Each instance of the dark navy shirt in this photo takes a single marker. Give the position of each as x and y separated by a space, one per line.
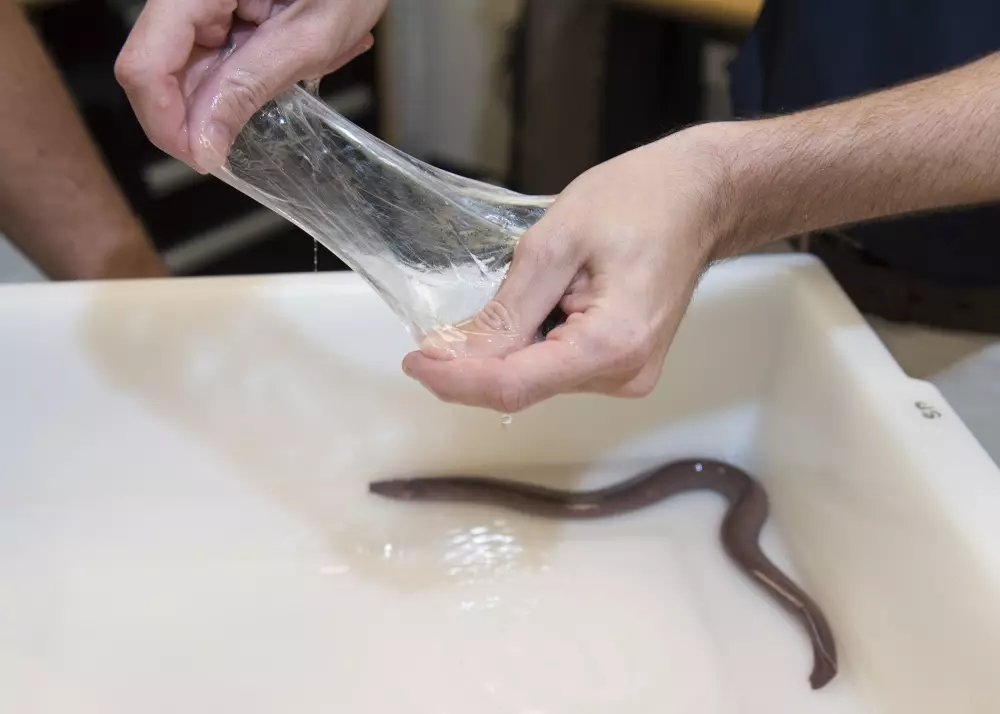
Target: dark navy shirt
807 52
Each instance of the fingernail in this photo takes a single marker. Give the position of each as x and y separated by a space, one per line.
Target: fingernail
215 139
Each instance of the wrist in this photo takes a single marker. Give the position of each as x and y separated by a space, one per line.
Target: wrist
130 257
701 159
762 168
124 254
137 260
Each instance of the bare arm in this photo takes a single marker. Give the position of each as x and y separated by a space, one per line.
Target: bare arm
929 144
622 248
58 203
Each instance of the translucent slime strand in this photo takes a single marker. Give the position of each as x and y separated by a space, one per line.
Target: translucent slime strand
435 246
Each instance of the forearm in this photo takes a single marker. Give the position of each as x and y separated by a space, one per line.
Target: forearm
931 144
58 203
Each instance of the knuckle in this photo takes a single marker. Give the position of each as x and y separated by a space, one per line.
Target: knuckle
252 11
638 341
316 53
245 93
495 317
319 38
507 395
540 249
128 69
640 387
445 396
629 347
438 391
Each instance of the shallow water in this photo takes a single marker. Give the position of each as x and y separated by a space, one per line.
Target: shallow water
432 608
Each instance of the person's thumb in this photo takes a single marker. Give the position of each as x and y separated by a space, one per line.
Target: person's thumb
543 266
267 63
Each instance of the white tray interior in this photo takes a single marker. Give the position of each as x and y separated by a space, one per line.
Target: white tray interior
185 525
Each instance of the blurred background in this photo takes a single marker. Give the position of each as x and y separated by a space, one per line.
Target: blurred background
522 93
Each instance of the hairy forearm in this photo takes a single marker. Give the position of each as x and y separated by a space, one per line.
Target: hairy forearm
58 203
930 144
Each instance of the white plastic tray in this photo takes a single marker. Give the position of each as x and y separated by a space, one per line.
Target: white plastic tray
185 526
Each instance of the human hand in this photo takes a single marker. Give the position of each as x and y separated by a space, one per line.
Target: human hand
192 98
620 252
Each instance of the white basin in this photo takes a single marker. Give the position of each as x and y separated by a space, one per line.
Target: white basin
185 525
